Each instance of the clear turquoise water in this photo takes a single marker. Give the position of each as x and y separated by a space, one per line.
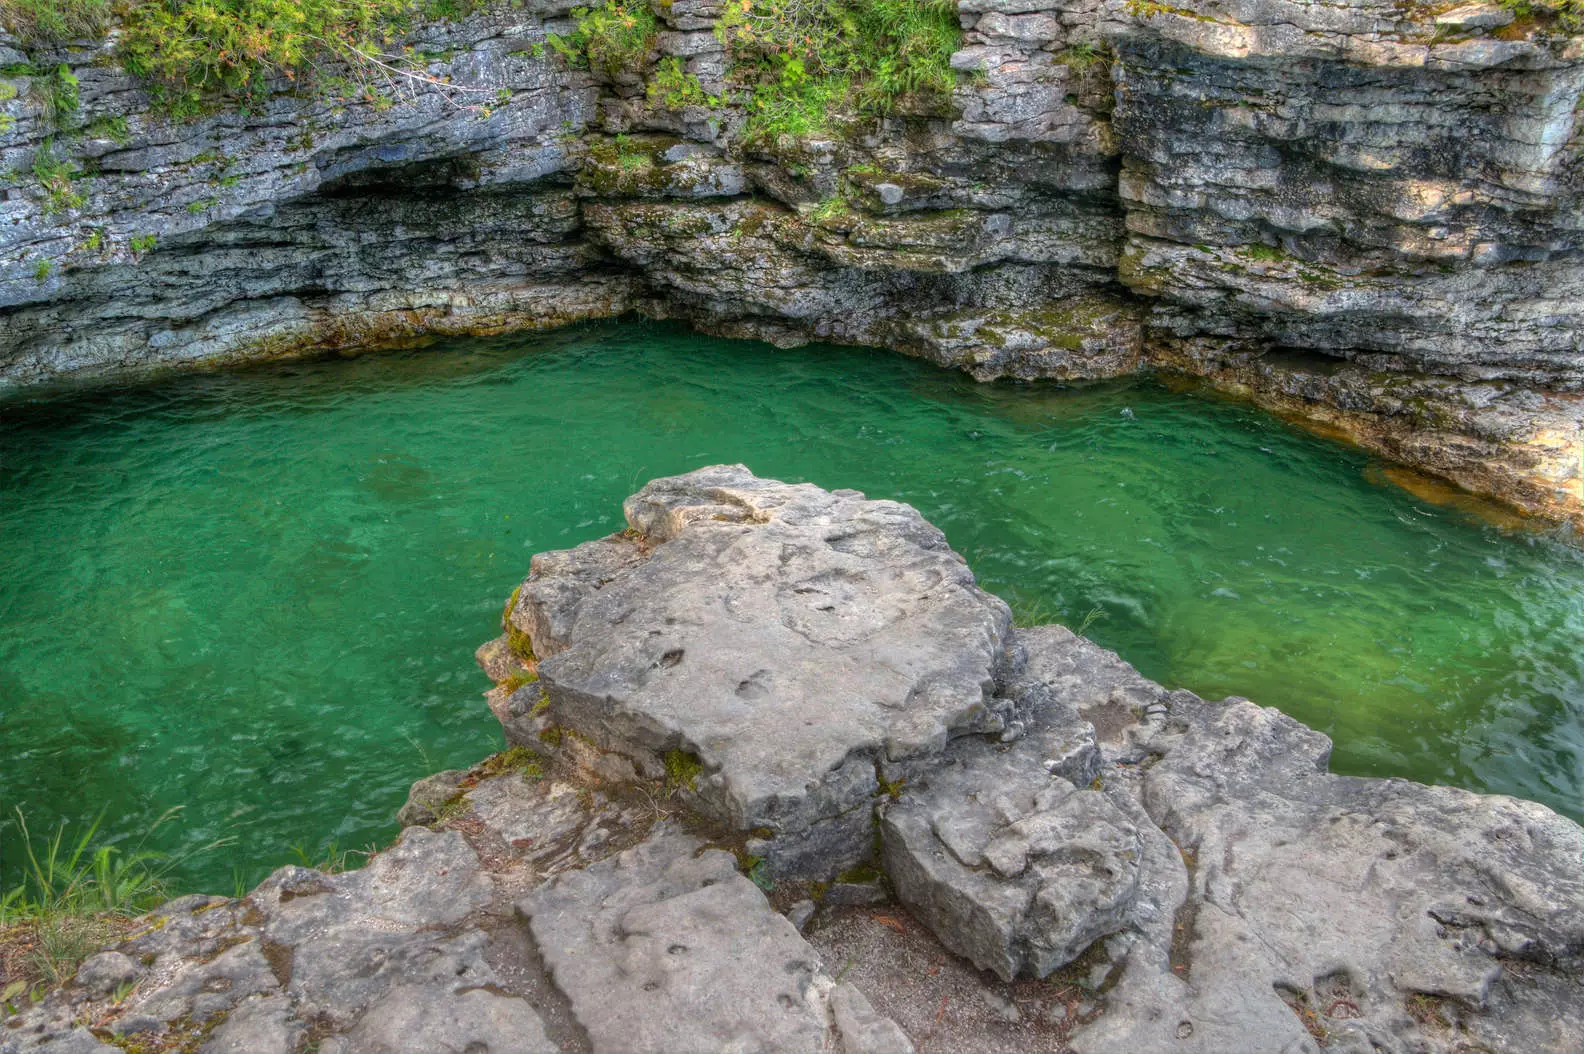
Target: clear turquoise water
256 595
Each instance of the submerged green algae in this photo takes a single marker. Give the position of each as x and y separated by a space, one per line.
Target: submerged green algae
256 594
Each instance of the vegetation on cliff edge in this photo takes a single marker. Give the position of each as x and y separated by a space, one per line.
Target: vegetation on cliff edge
73 897
797 66
197 53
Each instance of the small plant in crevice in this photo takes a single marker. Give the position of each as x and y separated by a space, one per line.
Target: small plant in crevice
55 175
673 88
517 759
758 871
111 128
681 770
518 680
828 210
1082 55
143 243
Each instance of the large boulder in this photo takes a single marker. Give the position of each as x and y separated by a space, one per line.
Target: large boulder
782 650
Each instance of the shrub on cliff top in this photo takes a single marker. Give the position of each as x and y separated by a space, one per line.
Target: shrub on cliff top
196 53
1569 14
196 50
36 21
808 59
613 37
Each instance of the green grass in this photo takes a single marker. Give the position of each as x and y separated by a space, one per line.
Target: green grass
513 759
611 38
809 62
72 893
673 88
1569 14
55 174
517 680
331 858
682 770
198 55
45 21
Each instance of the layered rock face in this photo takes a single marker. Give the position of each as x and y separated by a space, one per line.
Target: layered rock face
1361 215
760 685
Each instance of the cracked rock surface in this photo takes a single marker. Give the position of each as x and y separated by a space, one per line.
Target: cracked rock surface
796 642
541 916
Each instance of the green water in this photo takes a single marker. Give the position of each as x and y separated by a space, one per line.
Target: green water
256 595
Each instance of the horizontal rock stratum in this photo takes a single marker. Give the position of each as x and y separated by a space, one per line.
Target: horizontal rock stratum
786 779
1362 214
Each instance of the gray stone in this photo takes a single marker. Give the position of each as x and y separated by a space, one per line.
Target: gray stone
846 636
1013 868
102 974
420 1019
260 1025
800 913
862 1030
664 948
427 796
1361 902
855 894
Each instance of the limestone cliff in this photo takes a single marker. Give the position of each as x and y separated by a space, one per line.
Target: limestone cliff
1364 214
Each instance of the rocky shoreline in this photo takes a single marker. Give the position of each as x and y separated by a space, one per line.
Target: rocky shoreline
1363 216
782 777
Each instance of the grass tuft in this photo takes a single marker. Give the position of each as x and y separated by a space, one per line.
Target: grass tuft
74 896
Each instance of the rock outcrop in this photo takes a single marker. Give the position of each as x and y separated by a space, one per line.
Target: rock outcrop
1362 215
754 592
1079 858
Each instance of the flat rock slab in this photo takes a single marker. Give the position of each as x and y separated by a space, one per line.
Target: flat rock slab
668 948
794 641
1373 914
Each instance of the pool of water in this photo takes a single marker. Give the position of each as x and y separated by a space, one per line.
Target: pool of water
255 595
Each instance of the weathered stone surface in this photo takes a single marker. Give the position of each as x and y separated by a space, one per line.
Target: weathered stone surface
794 641
1382 913
429 1020
428 796
1013 868
1273 903
667 948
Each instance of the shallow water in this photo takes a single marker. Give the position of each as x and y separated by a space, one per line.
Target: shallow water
256 595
